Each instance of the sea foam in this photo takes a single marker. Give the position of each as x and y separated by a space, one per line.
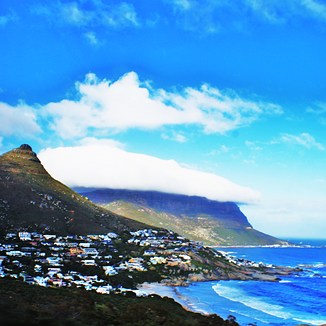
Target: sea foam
239 296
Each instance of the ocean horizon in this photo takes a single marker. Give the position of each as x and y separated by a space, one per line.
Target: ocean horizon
294 300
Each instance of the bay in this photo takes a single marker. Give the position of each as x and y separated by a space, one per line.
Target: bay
295 300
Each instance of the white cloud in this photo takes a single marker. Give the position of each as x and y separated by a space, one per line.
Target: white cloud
20 120
105 164
91 38
130 103
95 13
74 15
286 217
303 139
178 137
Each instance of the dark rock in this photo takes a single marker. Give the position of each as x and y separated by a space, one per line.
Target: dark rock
25 147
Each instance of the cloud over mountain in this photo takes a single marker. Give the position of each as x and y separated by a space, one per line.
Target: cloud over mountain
104 164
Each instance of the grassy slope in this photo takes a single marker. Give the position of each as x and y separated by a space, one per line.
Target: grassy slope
22 304
31 198
200 228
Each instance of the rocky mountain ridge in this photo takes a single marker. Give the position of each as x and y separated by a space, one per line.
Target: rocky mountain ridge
197 218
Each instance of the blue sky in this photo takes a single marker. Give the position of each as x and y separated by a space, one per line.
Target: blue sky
217 98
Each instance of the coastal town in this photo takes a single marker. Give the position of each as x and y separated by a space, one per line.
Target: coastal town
104 263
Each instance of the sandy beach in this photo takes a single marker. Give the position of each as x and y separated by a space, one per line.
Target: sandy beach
171 292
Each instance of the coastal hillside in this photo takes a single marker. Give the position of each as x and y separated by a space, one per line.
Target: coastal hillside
22 304
53 237
197 218
33 204
31 199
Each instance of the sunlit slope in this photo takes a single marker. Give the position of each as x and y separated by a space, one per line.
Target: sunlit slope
197 218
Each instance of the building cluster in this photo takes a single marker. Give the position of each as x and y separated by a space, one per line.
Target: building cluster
90 261
244 262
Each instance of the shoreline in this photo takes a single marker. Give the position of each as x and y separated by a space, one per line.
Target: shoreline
164 290
168 287
268 246
189 296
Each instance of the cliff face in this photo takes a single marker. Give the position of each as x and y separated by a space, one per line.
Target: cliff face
198 218
31 199
228 213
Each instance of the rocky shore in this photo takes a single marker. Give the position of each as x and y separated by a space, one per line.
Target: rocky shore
270 274
169 287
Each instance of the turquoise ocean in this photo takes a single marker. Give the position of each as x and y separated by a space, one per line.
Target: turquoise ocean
295 300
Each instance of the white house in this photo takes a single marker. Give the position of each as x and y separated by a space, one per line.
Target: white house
110 270
104 289
25 236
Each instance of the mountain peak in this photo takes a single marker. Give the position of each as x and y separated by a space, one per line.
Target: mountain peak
31 199
26 147
25 151
22 160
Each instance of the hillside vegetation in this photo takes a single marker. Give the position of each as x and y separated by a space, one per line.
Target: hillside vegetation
31 199
197 218
22 304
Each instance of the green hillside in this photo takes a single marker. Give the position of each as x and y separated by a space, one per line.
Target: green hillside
22 304
200 227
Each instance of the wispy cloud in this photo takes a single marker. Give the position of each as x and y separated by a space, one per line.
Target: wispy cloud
286 10
303 139
89 14
182 4
178 137
118 168
199 16
319 111
91 38
130 103
210 16
20 120
122 15
315 7
253 145
271 11
220 150
6 19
